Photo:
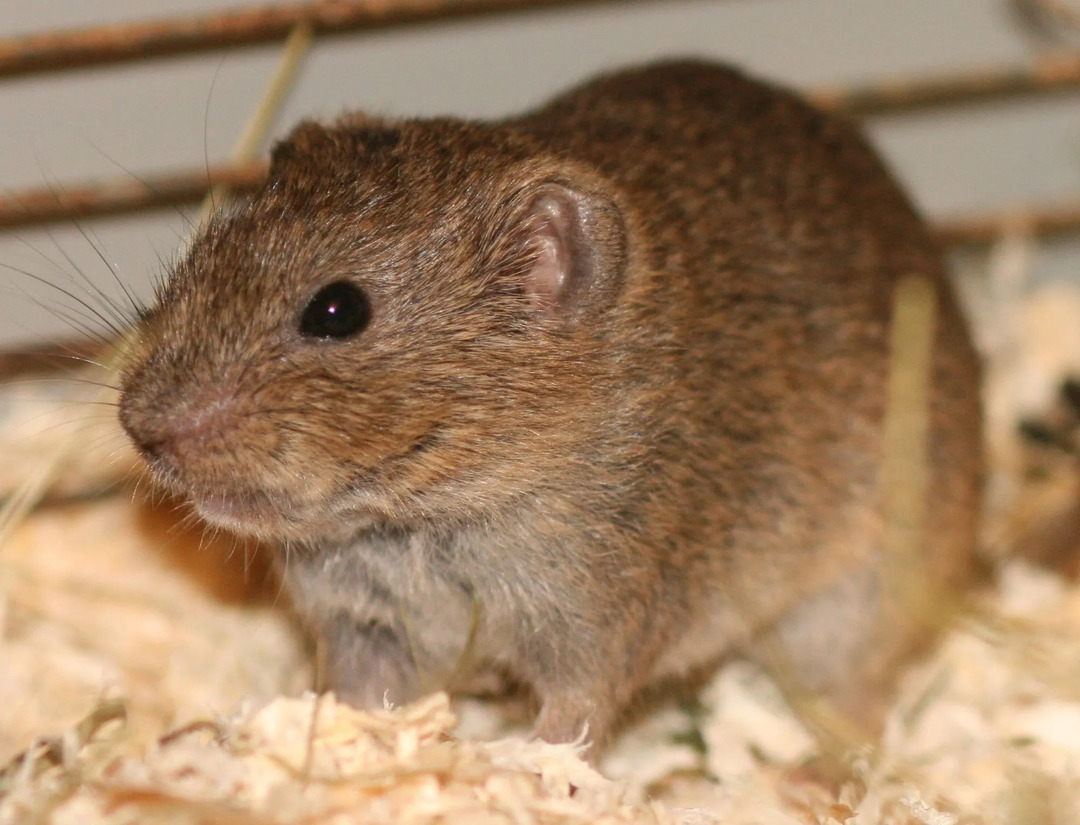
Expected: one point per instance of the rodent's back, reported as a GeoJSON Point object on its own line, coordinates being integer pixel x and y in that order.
{"type": "Point", "coordinates": [766, 240]}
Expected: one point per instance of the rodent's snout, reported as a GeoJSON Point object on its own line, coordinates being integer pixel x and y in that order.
{"type": "Point", "coordinates": [150, 445]}
{"type": "Point", "coordinates": [173, 437]}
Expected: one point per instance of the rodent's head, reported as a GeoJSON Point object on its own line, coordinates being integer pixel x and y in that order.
{"type": "Point", "coordinates": [407, 321]}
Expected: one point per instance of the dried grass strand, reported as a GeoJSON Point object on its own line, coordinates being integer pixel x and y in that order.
{"type": "Point", "coordinates": [905, 463]}
{"type": "Point", "coordinates": [246, 150]}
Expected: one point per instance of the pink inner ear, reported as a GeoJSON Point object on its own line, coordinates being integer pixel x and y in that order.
{"type": "Point", "coordinates": [549, 275]}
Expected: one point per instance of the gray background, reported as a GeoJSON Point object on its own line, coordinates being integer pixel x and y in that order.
{"type": "Point", "coordinates": [183, 111]}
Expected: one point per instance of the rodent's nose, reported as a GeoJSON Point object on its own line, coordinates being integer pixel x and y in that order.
{"type": "Point", "coordinates": [155, 436]}
{"type": "Point", "coordinates": [176, 434]}
{"type": "Point", "coordinates": [149, 448]}
{"type": "Point", "coordinates": [138, 424]}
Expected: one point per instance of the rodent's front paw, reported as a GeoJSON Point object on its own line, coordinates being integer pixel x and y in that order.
{"type": "Point", "coordinates": [369, 664]}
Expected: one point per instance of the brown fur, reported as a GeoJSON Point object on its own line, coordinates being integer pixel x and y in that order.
{"type": "Point", "coordinates": [618, 410]}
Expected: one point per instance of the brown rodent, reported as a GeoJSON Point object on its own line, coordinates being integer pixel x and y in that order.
{"type": "Point", "coordinates": [594, 395]}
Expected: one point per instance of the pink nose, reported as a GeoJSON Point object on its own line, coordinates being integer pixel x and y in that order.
{"type": "Point", "coordinates": [172, 433]}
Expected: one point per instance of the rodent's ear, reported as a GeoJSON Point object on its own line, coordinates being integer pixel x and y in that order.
{"type": "Point", "coordinates": [355, 133]}
{"type": "Point", "coordinates": [303, 141]}
{"type": "Point", "coordinates": [572, 250]}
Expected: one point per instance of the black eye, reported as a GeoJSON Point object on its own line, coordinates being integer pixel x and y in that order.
{"type": "Point", "coordinates": [337, 311]}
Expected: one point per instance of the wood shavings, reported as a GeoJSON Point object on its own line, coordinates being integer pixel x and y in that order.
{"type": "Point", "coordinates": [975, 720]}
{"type": "Point", "coordinates": [111, 599]}
{"type": "Point", "coordinates": [663, 743]}
{"type": "Point", "coordinates": [307, 759]}
{"type": "Point", "coordinates": [41, 408]}
{"type": "Point", "coordinates": [1029, 337]}
{"type": "Point", "coordinates": [748, 722]}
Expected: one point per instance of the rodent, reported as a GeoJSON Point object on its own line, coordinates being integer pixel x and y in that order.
{"type": "Point", "coordinates": [593, 395]}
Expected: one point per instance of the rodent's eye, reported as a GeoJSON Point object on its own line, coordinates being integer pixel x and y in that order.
{"type": "Point", "coordinates": [338, 310]}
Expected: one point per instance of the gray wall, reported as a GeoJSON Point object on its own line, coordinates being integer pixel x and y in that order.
{"type": "Point", "coordinates": [174, 112]}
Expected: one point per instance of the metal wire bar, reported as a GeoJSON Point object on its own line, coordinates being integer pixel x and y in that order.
{"type": "Point", "coordinates": [123, 195]}
{"type": "Point", "coordinates": [1048, 74]}
{"type": "Point", "coordinates": [119, 42]}
{"type": "Point", "coordinates": [1044, 220]}
{"type": "Point", "coordinates": [38, 206]}
{"type": "Point", "coordinates": [128, 41]}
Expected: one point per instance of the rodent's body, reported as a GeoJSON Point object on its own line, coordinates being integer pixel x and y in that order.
{"type": "Point", "coordinates": [618, 409]}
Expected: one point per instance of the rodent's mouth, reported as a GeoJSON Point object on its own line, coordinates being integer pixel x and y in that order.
{"type": "Point", "coordinates": [247, 511]}
{"type": "Point", "coordinates": [230, 510]}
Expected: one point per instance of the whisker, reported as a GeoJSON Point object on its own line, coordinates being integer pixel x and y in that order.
{"type": "Point", "coordinates": [86, 360]}
{"type": "Point", "coordinates": [80, 322]}
{"type": "Point", "coordinates": [249, 560]}
{"type": "Point", "coordinates": [60, 379]}
{"type": "Point", "coordinates": [147, 183]}
{"type": "Point", "coordinates": [43, 360]}
{"type": "Point", "coordinates": [210, 193]}
{"type": "Point", "coordinates": [101, 301]}
{"type": "Point", "coordinates": [66, 423]}
{"type": "Point", "coordinates": [40, 253]}
{"type": "Point", "coordinates": [94, 312]}
{"type": "Point", "coordinates": [76, 273]}
{"type": "Point", "coordinates": [101, 442]}
{"type": "Point", "coordinates": [285, 553]}
{"type": "Point", "coordinates": [94, 242]}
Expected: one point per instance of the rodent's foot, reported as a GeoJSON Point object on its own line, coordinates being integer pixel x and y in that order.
{"type": "Point", "coordinates": [369, 664]}
{"type": "Point", "coordinates": [568, 718]}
